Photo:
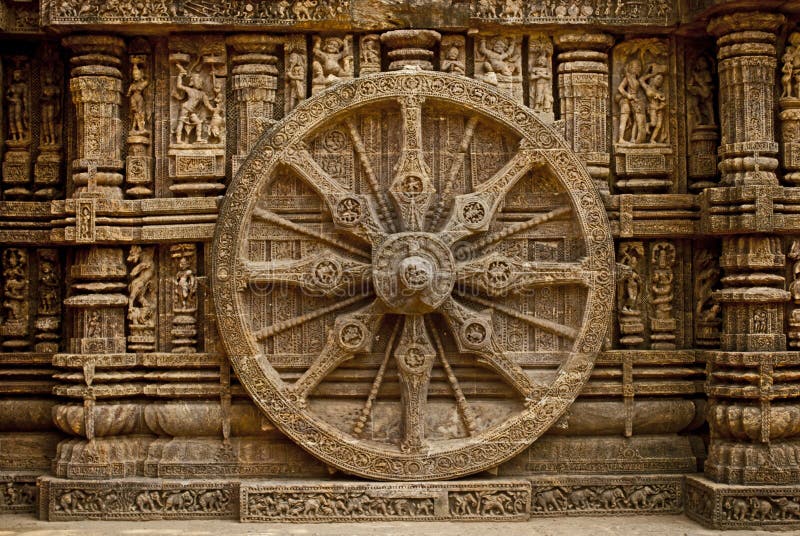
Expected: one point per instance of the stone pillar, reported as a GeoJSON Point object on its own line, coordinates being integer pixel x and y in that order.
{"type": "Point", "coordinates": [583, 86]}
{"type": "Point", "coordinates": [255, 79]}
{"type": "Point", "coordinates": [747, 63]}
{"type": "Point", "coordinates": [96, 86]}
{"type": "Point", "coordinates": [754, 441]}
{"type": "Point", "coordinates": [410, 47]}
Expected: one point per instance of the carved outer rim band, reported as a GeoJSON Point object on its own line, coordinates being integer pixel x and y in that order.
{"type": "Point", "coordinates": [262, 382]}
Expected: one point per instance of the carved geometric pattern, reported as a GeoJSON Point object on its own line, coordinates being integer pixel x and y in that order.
{"type": "Point", "coordinates": [389, 333]}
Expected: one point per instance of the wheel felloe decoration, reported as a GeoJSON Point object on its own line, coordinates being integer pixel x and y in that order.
{"type": "Point", "coordinates": [423, 298]}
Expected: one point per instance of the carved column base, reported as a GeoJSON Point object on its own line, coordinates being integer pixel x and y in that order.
{"type": "Point", "coordinates": [102, 457]}
{"type": "Point", "coordinates": [726, 506]}
{"type": "Point", "coordinates": [777, 462]}
{"type": "Point", "coordinates": [643, 167]}
{"type": "Point", "coordinates": [16, 172]}
{"type": "Point", "coordinates": [47, 175]}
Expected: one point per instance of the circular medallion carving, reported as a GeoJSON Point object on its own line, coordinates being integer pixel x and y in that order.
{"type": "Point", "coordinates": [439, 270]}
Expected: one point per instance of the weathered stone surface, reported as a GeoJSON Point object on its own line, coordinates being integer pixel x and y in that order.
{"type": "Point", "coordinates": [419, 243]}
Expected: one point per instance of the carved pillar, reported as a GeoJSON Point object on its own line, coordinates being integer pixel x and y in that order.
{"type": "Point", "coordinates": [411, 47]}
{"type": "Point", "coordinates": [96, 86]}
{"type": "Point", "coordinates": [255, 79]}
{"type": "Point", "coordinates": [583, 94]}
{"type": "Point", "coordinates": [746, 68]}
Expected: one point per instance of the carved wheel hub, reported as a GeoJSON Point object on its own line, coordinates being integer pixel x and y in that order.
{"type": "Point", "coordinates": [413, 273]}
{"type": "Point", "coordinates": [423, 298]}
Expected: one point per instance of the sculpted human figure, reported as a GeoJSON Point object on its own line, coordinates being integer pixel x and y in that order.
{"type": "Point", "coordinates": [499, 59]}
{"type": "Point", "coordinates": [195, 97]}
{"type": "Point", "coordinates": [632, 104]}
{"type": "Point", "coordinates": [16, 96]}
{"type": "Point", "coordinates": [15, 283]}
{"type": "Point", "coordinates": [185, 283]}
{"type": "Point", "coordinates": [140, 288]}
{"type": "Point", "coordinates": [541, 80]}
{"type": "Point", "coordinates": [330, 60]}
{"type": "Point", "coordinates": [656, 103]}
{"type": "Point", "coordinates": [135, 95]}
{"type": "Point", "coordinates": [452, 61]}
{"type": "Point", "coordinates": [216, 125]}
{"type": "Point", "coordinates": [296, 75]}
{"type": "Point", "coordinates": [700, 88]}
{"type": "Point", "coordinates": [51, 103]}
{"type": "Point", "coordinates": [788, 73]}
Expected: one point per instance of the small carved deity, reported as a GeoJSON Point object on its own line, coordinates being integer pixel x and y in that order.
{"type": "Point", "coordinates": [216, 124]}
{"type": "Point", "coordinates": [787, 73]}
{"type": "Point", "coordinates": [632, 282]}
{"type": "Point", "coordinates": [48, 282]}
{"type": "Point", "coordinates": [700, 88]}
{"type": "Point", "coordinates": [140, 287]}
{"type": "Point", "coordinates": [296, 76]}
{"type": "Point", "coordinates": [370, 55]}
{"type": "Point", "coordinates": [185, 284]}
{"type": "Point", "coordinates": [541, 76]}
{"type": "Point", "coordinates": [17, 99]}
{"type": "Point", "coordinates": [194, 98]}
{"type": "Point", "coordinates": [15, 284]}
{"type": "Point", "coordinates": [333, 59]}
{"type": "Point", "coordinates": [452, 62]}
{"type": "Point", "coordinates": [51, 108]}
{"type": "Point", "coordinates": [136, 102]}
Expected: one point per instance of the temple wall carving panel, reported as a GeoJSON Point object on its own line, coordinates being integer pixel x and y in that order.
{"type": "Point", "coordinates": [502, 259]}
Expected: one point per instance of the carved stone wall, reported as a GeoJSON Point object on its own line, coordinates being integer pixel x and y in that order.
{"type": "Point", "coordinates": [413, 242]}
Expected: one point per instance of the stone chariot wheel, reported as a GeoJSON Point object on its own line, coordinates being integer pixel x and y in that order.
{"type": "Point", "coordinates": [412, 276]}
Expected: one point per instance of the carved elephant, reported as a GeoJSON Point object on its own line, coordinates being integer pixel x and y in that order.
{"type": "Point", "coordinates": [212, 500]}
{"type": "Point", "coordinates": [492, 505]}
{"type": "Point", "coordinates": [72, 501]}
{"type": "Point", "coordinates": [787, 508]}
{"type": "Point", "coordinates": [610, 497]}
{"type": "Point", "coordinates": [737, 508]}
{"type": "Point", "coordinates": [581, 498]}
{"type": "Point", "coordinates": [180, 500]}
{"type": "Point", "coordinates": [760, 508]}
{"type": "Point", "coordinates": [550, 499]}
{"type": "Point", "coordinates": [638, 498]}
{"type": "Point", "coordinates": [660, 500]}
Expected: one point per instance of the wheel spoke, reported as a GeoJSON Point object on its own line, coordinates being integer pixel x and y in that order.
{"type": "Point", "coordinates": [386, 213]}
{"type": "Point", "coordinates": [455, 167]}
{"type": "Point", "coordinates": [271, 217]}
{"type": "Point", "coordinates": [498, 275]}
{"type": "Point", "coordinates": [352, 213]}
{"type": "Point", "coordinates": [352, 333]}
{"type": "Point", "coordinates": [464, 409]}
{"type": "Point", "coordinates": [515, 228]}
{"type": "Point", "coordinates": [473, 333]}
{"type": "Point", "coordinates": [474, 212]}
{"type": "Point", "coordinates": [322, 274]}
{"type": "Point", "coordinates": [366, 411]}
{"type": "Point", "coordinates": [289, 323]}
{"type": "Point", "coordinates": [414, 356]}
{"type": "Point", "coordinates": [541, 323]}
{"type": "Point", "coordinates": [412, 188]}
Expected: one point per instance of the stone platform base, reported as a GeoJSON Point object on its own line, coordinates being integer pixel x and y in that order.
{"type": "Point", "coordinates": [727, 506]}
{"type": "Point", "coordinates": [337, 500]}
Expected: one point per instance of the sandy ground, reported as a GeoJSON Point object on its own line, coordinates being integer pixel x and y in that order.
{"type": "Point", "coordinates": [594, 526]}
